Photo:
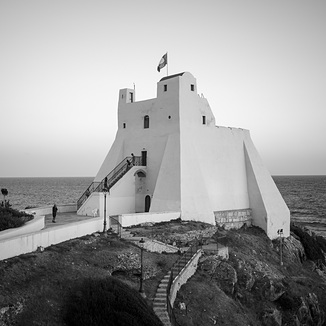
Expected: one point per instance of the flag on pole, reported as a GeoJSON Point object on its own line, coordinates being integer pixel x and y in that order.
{"type": "Point", "coordinates": [163, 62]}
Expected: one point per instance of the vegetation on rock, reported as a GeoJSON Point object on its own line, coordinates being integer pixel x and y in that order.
{"type": "Point", "coordinates": [253, 287]}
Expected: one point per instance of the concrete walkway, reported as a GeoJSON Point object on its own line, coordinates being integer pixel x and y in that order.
{"type": "Point", "coordinates": [64, 219]}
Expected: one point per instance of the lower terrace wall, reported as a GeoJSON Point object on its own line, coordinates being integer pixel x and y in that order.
{"type": "Point", "coordinates": [30, 242]}
{"type": "Point", "coordinates": [34, 225]}
{"type": "Point", "coordinates": [29, 237]}
{"type": "Point", "coordinates": [233, 219]}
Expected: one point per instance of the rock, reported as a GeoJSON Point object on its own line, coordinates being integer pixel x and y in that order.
{"type": "Point", "coordinates": [289, 301]}
{"type": "Point", "coordinates": [321, 273]}
{"type": "Point", "coordinates": [246, 278]}
{"type": "Point", "coordinates": [272, 317]}
{"type": "Point", "coordinates": [226, 277]}
{"type": "Point", "coordinates": [182, 306]}
{"type": "Point", "coordinates": [309, 312]}
{"type": "Point", "coordinates": [273, 290]}
{"type": "Point", "coordinates": [3, 310]}
{"type": "Point", "coordinates": [221, 273]}
{"type": "Point", "coordinates": [292, 249]}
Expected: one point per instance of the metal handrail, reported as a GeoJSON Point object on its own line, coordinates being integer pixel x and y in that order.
{"type": "Point", "coordinates": [175, 270]}
{"type": "Point", "coordinates": [111, 179]}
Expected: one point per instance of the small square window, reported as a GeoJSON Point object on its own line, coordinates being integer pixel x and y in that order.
{"type": "Point", "coordinates": [165, 88]}
{"type": "Point", "coordinates": [192, 87]}
{"type": "Point", "coordinates": [204, 119]}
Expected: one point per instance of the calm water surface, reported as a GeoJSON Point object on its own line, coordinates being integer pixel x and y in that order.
{"type": "Point", "coordinates": [304, 195]}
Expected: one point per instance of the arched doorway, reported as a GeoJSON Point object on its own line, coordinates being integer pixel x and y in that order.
{"type": "Point", "coordinates": [147, 203]}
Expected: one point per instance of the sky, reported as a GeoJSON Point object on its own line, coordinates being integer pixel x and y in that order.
{"type": "Point", "coordinates": [260, 64]}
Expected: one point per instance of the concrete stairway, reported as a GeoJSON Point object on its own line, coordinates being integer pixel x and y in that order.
{"type": "Point", "coordinates": [160, 300]}
{"type": "Point", "coordinates": [160, 305]}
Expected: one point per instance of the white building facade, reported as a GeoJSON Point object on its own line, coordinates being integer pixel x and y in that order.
{"type": "Point", "coordinates": [184, 163]}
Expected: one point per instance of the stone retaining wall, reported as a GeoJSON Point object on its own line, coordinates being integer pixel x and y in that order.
{"type": "Point", "coordinates": [233, 219]}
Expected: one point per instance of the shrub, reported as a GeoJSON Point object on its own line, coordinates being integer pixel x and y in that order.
{"type": "Point", "coordinates": [107, 302]}
{"type": "Point", "coordinates": [12, 218]}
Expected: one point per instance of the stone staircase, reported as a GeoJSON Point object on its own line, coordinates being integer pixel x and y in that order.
{"type": "Point", "coordinates": [160, 304]}
{"type": "Point", "coordinates": [160, 299]}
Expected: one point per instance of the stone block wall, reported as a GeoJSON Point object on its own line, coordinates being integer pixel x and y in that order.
{"type": "Point", "coordinates": [233, 219]}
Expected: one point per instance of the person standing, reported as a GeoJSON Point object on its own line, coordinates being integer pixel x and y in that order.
{"type": "Point", "coordinates": [133, 159]}
{"type": "Point", "coordinates": [54, 212]}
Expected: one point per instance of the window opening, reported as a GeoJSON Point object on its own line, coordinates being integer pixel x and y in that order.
{"type": "Point", "coordinates": [192, 87]}
{"type": "Point", "coordinates": [131, 97]}
{"type": "Point", "coordinates": [204, 119]}
{"type": "Point", "coordinates": [146, 121]}
{"type": "Point", "coordinates": [165, 88]}
{"type": "Point", "coordinates": [124, 125]}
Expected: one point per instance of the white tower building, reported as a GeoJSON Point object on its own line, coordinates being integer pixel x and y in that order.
{"type": "Point", "coordinates": [184, 163]}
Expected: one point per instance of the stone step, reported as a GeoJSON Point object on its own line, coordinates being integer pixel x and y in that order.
{"type": "Point", "coordinates": [160, 295]}
{"type": "Point", "coordinates": [161, 290]}
{"type": "Point", "coordinates": [164, 317]}
{"type": "Point", "coordinates": [160, 299]}
{"type": "Point", "coordinates": [159, 308]}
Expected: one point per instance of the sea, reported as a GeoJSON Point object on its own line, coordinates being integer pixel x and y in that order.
{"type": "Point", "coordinates": [304, 195]}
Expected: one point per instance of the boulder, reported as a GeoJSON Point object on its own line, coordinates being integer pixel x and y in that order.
{"type": "Point", "coordinates": [222, 273]}
{"type": "Point", "coordinates": [309, 312]}
{"type": "Point", "coordinates": [246, 277]}
{"type": "Point", "coordinates": [292, 249]}
{"type": "Point", "coordinates": [226, 277]}
{"type": "Point", "coordinates": [272, 317]}
{"type": "Point", "coordinates": [273, 290]}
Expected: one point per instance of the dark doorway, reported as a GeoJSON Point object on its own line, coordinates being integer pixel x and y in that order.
{"type": "Point", "coordinates": [147, 203]}
{"type": "Point", "coordinates": [144, 158]}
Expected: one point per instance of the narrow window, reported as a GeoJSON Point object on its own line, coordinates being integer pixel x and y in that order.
{"type": "Point", "coordinates": [192, 87]}
{"type": "Point", "coordinates": [131, 97]}
{"type": "Point", "coordinates": [165, 88]}
{"type": "Point", "coordinates": [124, 125]}
{"type": "Point", "coordinates": [146, 121]}
{"type": "Point", "coordinates": [204, 119]}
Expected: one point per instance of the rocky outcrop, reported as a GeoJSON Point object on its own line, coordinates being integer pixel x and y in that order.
{"type": "Point", "coordinates": [312, 244]}
{"type": "Point", "coordinates": [309, 313]}
{"type": "Point", "coordinates": [272, 317]}
{"type": "Point", "coordinates": [292, 249]}
{"type": "Point", "coordinates": [222, 273]}
{"type": "Point", "coordinates": [273, 290]}
{"type": "Point", "coordinates": [246, 275]}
